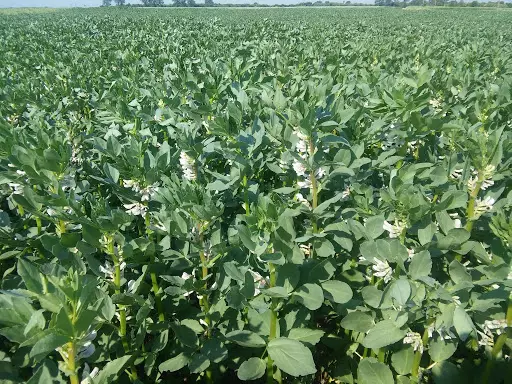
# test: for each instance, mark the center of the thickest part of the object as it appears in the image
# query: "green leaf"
(463, 323)
(421, 265)
(245, 235)
(310, 295)
(30, 275)
(47, 345)
(402, 360)
(252, 369)
(323, 248)
(174, 364)
(111, 370)
(291, 356)
(214, 350)
(458, 272)
(371, 371)
(383, 334)
(446, 373)
(400, 291)
(440, 349)
(337, 291)
(246, 339)
(111, 172)
(198, 363)
(306, 335)
(322, 271)
(374, 226)
(357, 321)
(184, 334)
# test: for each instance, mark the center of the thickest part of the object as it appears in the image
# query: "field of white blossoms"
(267, 195)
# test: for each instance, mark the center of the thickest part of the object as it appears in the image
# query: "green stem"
(204, 300)
(417, 356)
(71, 363)
(382, 355)
(314, 193)
(154, 279)
(121, 308)
(39, 225)
(246, 196)
(273, 325)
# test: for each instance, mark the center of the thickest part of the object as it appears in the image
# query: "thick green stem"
(38, 225)
(417, 356)
(71, 363)
(121, 308)
(154, 278)
(314, 192)
(273, 324)
(204, 300)
(382, 355)
(246, 196)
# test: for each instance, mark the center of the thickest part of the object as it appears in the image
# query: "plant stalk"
(246, 196)
(314, 193)
(273, 325)
(121, 308)
(418, 354)
(154, 279)
(204, 300)
(71, 363)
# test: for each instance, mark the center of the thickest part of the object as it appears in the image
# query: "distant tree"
(191, 3)
(209, 3)
(180, 3)
(153, 3)
(120, 2)
(107, 3)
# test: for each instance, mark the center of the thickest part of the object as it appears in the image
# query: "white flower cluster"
(136, 209)
(382, 269)
(302, 200)
(414, 338)
(188, 166)
(299, 167)
(146, 193)
(396, 229)
(260, 281)
(88, 375)
(483, 206)
(490, 328)
(444, 333)
(436, 104)
(487, 181)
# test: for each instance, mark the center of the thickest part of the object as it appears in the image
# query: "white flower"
(456, 173)
(304, 184)
(302, 144)
(414, 338)
(188, 166)
(382, 269)
(21, 173)
(495, 325)
(395, 230)
(203, 323)
(472, 183)
(485, 340)
(260, 281)
(299, 168)
(148, 192)
(302, 200)
(305, 249)
(87, 374)
(320, 173)
(346, 193)
(410, 253)
(133, 184)
(486, 184)
(185, 276)
(483, 206)
(136, 209)
(17, 189)
(456, 300)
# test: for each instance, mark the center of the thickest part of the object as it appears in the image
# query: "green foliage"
(216, 195)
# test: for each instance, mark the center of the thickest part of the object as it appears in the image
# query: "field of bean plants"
(267, 195)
